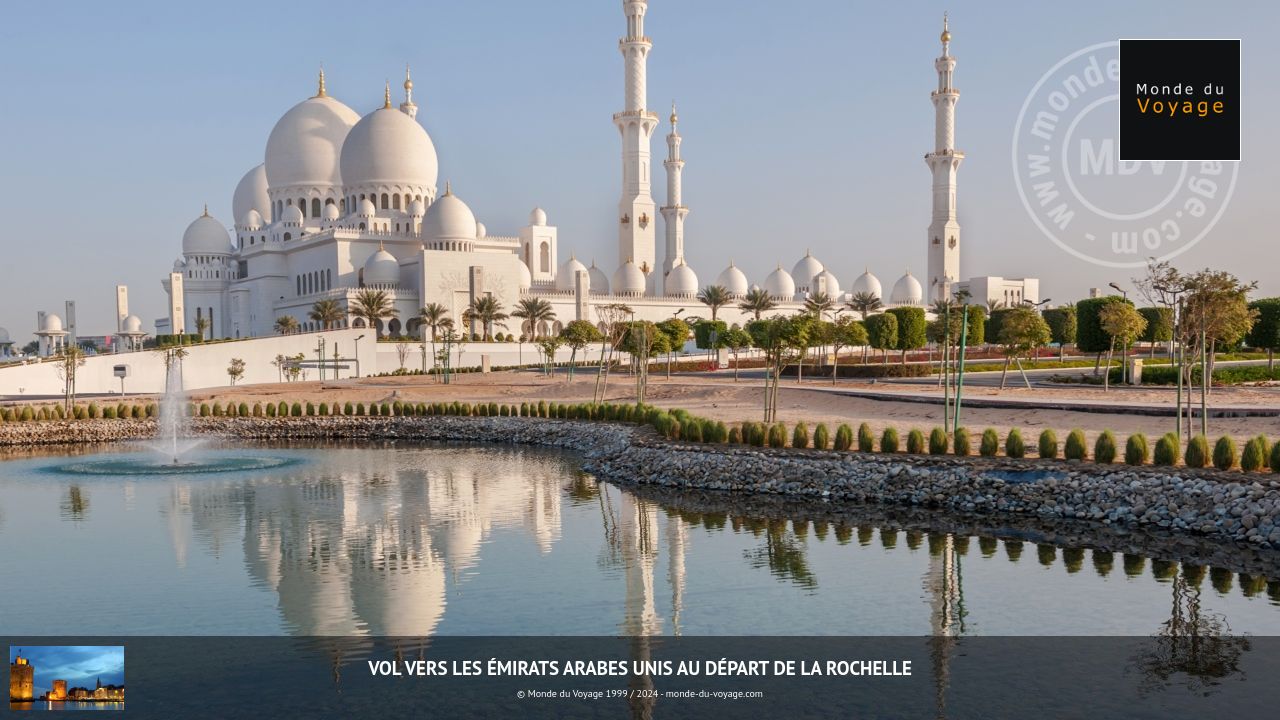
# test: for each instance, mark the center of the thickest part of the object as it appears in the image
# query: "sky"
(80, 665)
(804, 126)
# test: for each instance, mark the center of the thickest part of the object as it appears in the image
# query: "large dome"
(779, 285)
(381, 269)
(599, 281)
(251, 194)
(568, 274)
(805, 270)
(907, 291)
(628, 280)
(389, 148)
(206, 236)
(449, 218)
(867, 283)
(682, 282)
(733, 280)
(305, 145)
(833, 284)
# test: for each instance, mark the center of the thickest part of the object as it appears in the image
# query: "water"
(360, 539)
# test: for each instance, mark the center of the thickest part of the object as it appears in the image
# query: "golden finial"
(206, 210)
(320, 92)
(946, 33)
(386, 96)
(448, 187)
(674, 118)
(408, 81)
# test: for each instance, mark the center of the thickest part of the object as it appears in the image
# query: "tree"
(1022, 332)
(532, 312)
(286, 324)
(818, 305)
(845, 332)
(1062, 326)
(1090, 337)
(202, 326)
(235, 370)
(432, 316)
(779, 338)
(69, 362)
(714, 297)
(706, 333)
(327, 313)
(1159, 326)
(995, 322)
(374, 306)
(548, 347)
(912, 329)
(677, 332)
(1123, 323)
(736, 340)
(611, 317)
(487, 311)
(577, 335)
(1265, 333)
(977, 332)
(882, 332)
(994, 304)
(1216, 314)
(864, 302)
(402, 352)
(757, 302)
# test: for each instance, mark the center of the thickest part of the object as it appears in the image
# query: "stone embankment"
(1222, 506)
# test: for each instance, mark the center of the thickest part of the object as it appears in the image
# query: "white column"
(636, 208)
(944, 163)
(674, 212)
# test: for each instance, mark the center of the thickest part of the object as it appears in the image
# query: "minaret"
(407, 107)
(944, 162)
(674, 212)
(636, 221)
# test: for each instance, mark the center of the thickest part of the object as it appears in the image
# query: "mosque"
(343, 203)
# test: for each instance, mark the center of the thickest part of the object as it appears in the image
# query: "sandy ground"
(812, 401)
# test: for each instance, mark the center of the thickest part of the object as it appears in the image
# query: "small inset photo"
(66, 677)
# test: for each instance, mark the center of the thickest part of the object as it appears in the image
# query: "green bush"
(1197, 452)
(961, 444)
(282, 409)
(821, 437)
(348, 408)
(693, 432)
(721, 433)
(231, 410)
(1136, 450)
(1076, 448)
(323, 409)
(296, 409)
(1104, 449)
(735, 435)
(778, 436)
(800, 436)
(360, 408)
(1167, 450)
(542, 409)
(757, 435)
(108, 413)
(915, 442)
(94, 411)
(311, 409)
(1014, 446)
(244, 409)
(889, 440)
(1224, 453)
(1274, 459)
(204, 410)
(844, 437)
(257, 409)
(1047, 447)
(938, 441)
(271, 409)
(218, 410)
(153, 410)
(1265, 445)
(1254, 457)
(866, 439)
(989, 446)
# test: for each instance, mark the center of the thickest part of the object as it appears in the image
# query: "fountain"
(172, 439)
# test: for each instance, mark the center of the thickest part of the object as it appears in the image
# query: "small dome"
(4, 335)
(833, 285)
(387, 147)
(367, 208)
(133, 324)
(805, 270)
(251, 194)
(179, 264)
(526, 277)
(538, 217)
(417, 208)
(481, 230)
(682, 282)
(331, 212)
(907, 291)
(780, 285)
(628, 280)
(251, 220)
(733, 280)
(568, 274)
(305, 144)
(449, 218)
(52, 324)
(381, 269)
(292, 215)
(868, 283)
(206, 236)
(599, 281)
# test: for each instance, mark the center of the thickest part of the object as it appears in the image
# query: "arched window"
(385, 201)
(288, 237)
(289, 202)
(544, 258)
(315, 207)
(395, 202)
(302, 205)
(361, 226)
(328, 282)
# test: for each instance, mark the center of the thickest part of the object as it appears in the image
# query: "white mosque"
(343, 202)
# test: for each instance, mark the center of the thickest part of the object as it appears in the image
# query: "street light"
(357, 358)
(1123, 293)
(1037, 305)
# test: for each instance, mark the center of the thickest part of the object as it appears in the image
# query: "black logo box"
(1187, 68)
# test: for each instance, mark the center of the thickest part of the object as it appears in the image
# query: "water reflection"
(76, 505)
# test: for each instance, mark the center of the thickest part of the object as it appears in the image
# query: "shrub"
(1166, 452)
(1075, 448)
(231, 410)
(989, 446)
(153, 410)
(282, 409)
(735, 435)
(244, 409)
(866, 440)
(271, 409)
(1274, 463)
(889, 441)
(1224, 453)
(937, 441)
(844, 437)
(542, 409)
(311, 408)
(721, 434)
(1254, 457)
(257, 409)
(1265, 445)
(757, 434)
(1136, 450)
(348, 409)
(322, 409)
(1197, 452)
(386, 410)
(915, 442)
(204, 410)
(109, 413)
(778, 436)
(800, 436)
(960, 444)
(1104, 449)
(360, 408)
(493, 409)
(218, 410)
(94, 411)
(1014, 446)
(821, 437)
(1047, 447)
(693, 432)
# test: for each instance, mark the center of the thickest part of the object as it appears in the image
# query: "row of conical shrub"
(91, 411)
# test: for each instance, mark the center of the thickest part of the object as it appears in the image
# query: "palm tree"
(757, 302)
(373, 306)
(714, 297)
(202, 327)
(818, 305)
(432, 317)
(326, 312)
(864, 302)
(286, 324)
(533, 312)
(994, 304)
(488, 312)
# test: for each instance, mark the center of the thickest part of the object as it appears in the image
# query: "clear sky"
(804, 125)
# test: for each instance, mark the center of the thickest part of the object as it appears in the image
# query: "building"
(22, 676)
(59, 690)
(344, 203)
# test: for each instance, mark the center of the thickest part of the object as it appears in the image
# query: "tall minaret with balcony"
(636, 210)
(944, 162)
(674, 212)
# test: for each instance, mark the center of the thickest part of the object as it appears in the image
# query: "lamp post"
(1176, 360)
(1124, 351)
(358, 339)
